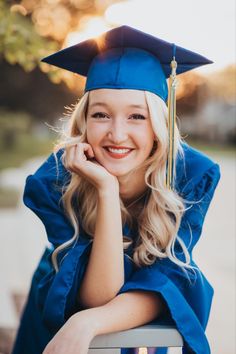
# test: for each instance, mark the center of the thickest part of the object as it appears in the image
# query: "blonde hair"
(159, 220)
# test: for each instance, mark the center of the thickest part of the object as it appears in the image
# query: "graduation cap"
(127, 58)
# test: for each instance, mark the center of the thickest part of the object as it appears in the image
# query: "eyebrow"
(106, 105)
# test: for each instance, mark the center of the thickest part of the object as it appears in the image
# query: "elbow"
(96, 299)
(89, 304)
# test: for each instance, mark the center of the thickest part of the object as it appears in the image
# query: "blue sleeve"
(198, 193)
(42, 194)
(187, 301)
(56, 292)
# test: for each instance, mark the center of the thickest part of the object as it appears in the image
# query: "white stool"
(156, 336)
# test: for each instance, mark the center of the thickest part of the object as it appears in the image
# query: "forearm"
(125, 311)
(105, 271)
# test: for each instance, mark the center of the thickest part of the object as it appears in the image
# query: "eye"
(137, 116)
(99, 115)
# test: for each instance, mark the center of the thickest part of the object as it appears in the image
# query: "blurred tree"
(11, 127)
(19, 42)
(222, 85)
(32, 29)
(33, 93)
(192, 93)
(195, 90)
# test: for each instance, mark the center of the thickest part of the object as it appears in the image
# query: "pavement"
(22, 240)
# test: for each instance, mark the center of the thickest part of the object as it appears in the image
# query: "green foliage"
(12, 125)
(19, 42)
(18, 141)
(27, 146)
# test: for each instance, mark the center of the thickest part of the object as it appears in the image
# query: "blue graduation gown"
(52, 298)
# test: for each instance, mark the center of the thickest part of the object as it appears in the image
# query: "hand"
(73, 338)
(80, 160)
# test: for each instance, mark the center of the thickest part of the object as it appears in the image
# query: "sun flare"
(93, 27)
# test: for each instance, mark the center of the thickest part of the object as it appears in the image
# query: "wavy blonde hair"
(159, 220)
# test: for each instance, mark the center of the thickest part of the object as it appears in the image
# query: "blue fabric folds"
(42, 195)
(188, 300)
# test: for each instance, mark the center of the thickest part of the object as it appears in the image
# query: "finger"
(90, 151)
(71, 157)
(84, 152)
(87, 148)
(79, 153)
(70, 154)
(77, 157)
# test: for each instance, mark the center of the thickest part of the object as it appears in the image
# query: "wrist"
(109, 190)
(86, 322)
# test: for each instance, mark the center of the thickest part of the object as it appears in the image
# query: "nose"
(118, 131)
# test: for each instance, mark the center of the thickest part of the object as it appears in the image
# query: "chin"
(117, 171)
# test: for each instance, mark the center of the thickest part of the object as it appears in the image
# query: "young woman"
(121, 237)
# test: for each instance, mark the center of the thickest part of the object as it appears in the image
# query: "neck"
(132, 186)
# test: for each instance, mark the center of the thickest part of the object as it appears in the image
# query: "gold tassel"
(171, 123)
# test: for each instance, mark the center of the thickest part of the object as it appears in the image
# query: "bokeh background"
(34, 97)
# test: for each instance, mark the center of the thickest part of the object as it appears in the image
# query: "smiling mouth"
(118, 153)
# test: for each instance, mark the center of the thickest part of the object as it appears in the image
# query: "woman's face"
(119, 129)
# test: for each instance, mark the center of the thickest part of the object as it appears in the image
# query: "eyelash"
(103, 115)
(99, 115)
(141, 117)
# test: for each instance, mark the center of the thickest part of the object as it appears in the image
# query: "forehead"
(123, 97)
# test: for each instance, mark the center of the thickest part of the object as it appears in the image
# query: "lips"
(118, 152)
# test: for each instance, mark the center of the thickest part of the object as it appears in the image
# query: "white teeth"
(118, 151)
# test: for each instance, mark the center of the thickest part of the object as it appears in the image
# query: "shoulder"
(194, 167)
(52, 169)
(47, 182)
(193, 161)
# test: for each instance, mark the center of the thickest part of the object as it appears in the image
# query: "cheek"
(91, 138)
(95, 134)
(146, 139)
(148, 149)
(92, 133)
